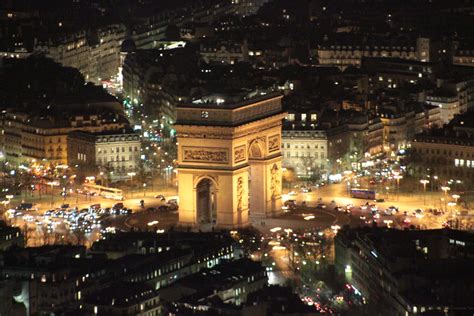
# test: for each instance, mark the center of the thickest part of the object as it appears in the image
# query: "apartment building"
(95, 54)
(305, 151)
(348, 50)
(111, 150)
(416, 270)
(464, 56)
(224, 52)
(447, 152)
(29, 138)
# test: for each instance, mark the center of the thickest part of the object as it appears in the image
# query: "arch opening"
(206, 203)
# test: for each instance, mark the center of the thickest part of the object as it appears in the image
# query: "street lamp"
(398, 177)
(434, 182)
(453, 215)
(52, 184)
(144, 189)
(131, 174)
(456, 197)
(424, 182)
(446, 189)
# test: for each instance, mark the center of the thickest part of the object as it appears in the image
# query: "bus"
(108, 193)
(363, 194)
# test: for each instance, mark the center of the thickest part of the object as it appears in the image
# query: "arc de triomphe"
(229, 161)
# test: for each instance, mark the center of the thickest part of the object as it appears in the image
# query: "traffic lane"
(144, 220)
(340, 193)
(295, 221)
(48, 201)
(312, 199)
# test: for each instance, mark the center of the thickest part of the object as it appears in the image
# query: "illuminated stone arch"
(230, 154)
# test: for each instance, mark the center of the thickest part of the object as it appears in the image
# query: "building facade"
(447, 153)
(305, 151)
(29, 138)
(406, 264)
(229, 159)
(95, 54)
(113, 151)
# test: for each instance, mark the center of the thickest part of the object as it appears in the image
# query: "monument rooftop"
(230, 110)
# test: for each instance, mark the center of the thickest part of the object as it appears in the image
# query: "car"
(163, 208)
(118, 206)
(160, 197)
(339, 209)
(105, 210)
(418, 213)
(321, 205)
(292, 193)
(306, 190)
(95, 207)
(172, 202)
(391, 210)
(25, 206)
(380, 200)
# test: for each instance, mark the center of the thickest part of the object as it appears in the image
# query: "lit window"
(205, 114)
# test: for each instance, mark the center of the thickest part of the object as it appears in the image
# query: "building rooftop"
(122, 294)
(205, 283)
(127, 133)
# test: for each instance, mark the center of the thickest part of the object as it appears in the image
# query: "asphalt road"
(323, 218)
(405, 202)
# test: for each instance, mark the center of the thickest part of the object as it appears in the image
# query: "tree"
(27, 233)
(313, 170)
(80, 237)
(289, 177)
(45, 235)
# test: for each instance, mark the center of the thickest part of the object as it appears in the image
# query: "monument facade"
(229, 160)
